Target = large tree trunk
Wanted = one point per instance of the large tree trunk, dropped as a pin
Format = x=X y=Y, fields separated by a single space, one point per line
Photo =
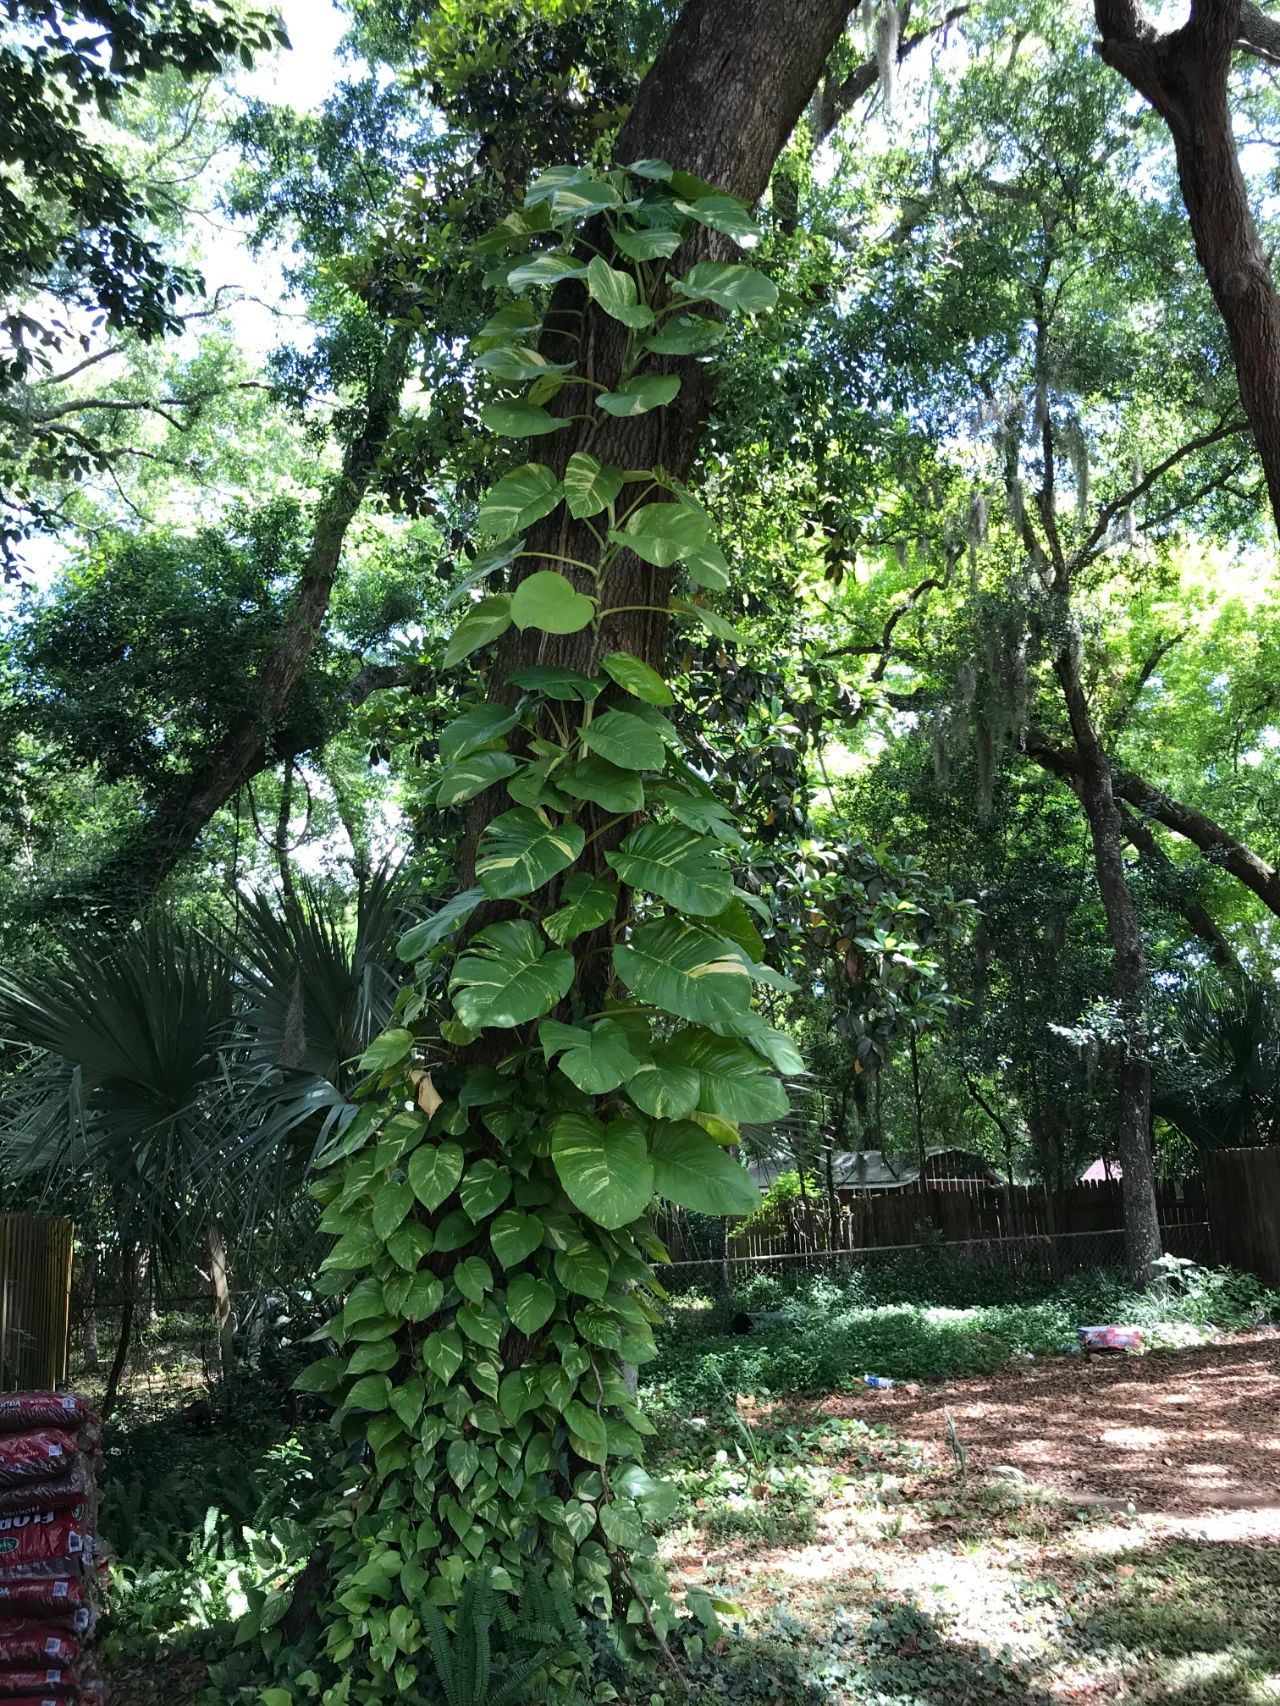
x=1184 y=74
x=723 y=96
x=1141 y=1220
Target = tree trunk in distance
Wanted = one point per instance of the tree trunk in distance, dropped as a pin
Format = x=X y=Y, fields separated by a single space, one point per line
x=1184 y=74
x=221 y=1294
x=1107 y=833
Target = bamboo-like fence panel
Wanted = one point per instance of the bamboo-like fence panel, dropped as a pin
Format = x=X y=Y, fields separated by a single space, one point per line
x=35 y=1301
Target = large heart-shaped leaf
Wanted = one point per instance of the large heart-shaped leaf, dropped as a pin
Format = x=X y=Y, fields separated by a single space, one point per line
x=637 y=678
x=597 y=1060
x=531 y=1302
x=589 y=902
x=684 y=970
x=464 y=781
x=482 y=624
x=521 y=850
x=736 y=1083
x=521 y=420
x=647 y=245
x=573 y=191
x=625 y=739
x=486 y=1186
x=686 y=334
x=547 y=268
x=475 y=729
x=674 y=862
x=637 y=396
x=617 y=294
x=662 y=534
x=690 y=1168
x=508 y=977
x=432 y=931
x=434 y=1171
x=550 y=601
x=519 y=499
x=664 y=1086
x=387 y=1051
x=589 y=486
x=516 y=363
x=555 y=682
x=514 y=1236
x=603 y=783
x=723 y=213
x=729 y=285
x=605 y=1170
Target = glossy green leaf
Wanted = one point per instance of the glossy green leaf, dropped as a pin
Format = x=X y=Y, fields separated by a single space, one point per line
x=443 y=1353
x=605 y=1170
x=690 y=1168
x=516 y=363
x=434 y=1171
x=637 y=396
x=596 y=1060
x=662 y=533
x=473 y=1278
x=626 y=740
x=432 y=931
x=736 y=1083
x=480 y=727
x=554 y=682
x=664 y=1086
x=740 y=289
x=531 y=1302
x=685 y=869
x=711 y=620
x=589 y=902
x=521 y=420
x=409 y=1243
x=464 y=781
x=519 y=499
x=483 y=623
x=589 y=486
x=485 y=1186
x=508 y=977
x=551 y=602
x=548 y=268
x=637 y=678
x=647 y=245
x=390 y=1206
x=684 y=970
x=424 y=1297
x=617 y=294
x=686 y=334
x=582 y=1269
x=603 y=783
x=387 y=1051
x=515 y=1236
x=723 y=213
x=521 y=850
x=572 y=191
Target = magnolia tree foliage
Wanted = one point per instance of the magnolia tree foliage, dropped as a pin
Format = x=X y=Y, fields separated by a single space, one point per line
x=580 y=1035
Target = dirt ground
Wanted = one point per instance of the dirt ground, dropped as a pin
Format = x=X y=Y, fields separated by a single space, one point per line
x=1177 y=1434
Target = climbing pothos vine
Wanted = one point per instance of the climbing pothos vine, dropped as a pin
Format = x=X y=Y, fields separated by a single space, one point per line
x=586 y=1043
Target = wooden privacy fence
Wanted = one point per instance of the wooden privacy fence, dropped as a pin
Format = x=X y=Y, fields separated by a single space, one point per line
x=1243 y=1187
x=1080 y=1225
x=35 y=1301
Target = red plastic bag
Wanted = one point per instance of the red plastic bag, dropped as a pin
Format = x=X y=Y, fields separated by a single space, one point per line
x=72 y=1625
x=77 y=1487
x=21 y=1411
x=51 y=1593
x=47 y=1454
x=33 y=1538
x=39 y=1645
x=50 y=1683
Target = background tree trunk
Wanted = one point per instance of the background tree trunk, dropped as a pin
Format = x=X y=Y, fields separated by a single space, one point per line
x=1106 y=830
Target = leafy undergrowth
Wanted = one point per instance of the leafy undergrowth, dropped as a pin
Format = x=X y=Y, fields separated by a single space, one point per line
x=833 y=1334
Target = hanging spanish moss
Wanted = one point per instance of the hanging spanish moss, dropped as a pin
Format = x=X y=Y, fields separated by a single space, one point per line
x=888 y=29
x=1077 y=448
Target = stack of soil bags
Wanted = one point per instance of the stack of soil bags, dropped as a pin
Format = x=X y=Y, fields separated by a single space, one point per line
x=51 y=1562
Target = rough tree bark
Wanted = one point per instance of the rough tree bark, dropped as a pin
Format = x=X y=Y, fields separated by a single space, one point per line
x=134 y=874
x=1184 y=74
x=1107 y=832
x=720 y=101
